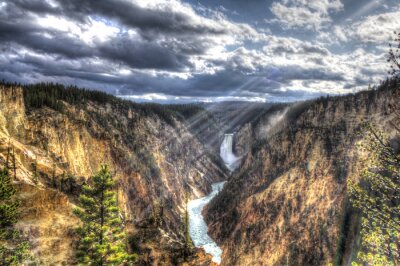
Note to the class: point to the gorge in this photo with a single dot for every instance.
(277, 194)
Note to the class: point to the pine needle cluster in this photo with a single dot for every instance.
(13, 248)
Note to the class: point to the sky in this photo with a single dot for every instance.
(193, 50)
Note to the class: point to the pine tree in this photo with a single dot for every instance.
(13, 249)
(394, 56)
(377, 195)
(102, 238)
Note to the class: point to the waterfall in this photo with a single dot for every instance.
(231, 160)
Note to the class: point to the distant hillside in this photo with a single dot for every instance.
(233, 115)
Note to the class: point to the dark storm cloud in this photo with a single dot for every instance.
(36, 6)
(285, 74)
(163, 19)
(172, 55)
(271, 81)
(137, 54)
(143, 54)
(34, 37)
(159, 20)
(17, 26)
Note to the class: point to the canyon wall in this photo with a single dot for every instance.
(157, 162)
(287, 203)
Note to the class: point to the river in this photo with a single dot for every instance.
(198, 229)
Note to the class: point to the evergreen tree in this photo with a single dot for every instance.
(377, 195)
(394, 56)
(13, 249)
(102, 238)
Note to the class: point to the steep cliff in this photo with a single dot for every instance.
(287, 203)
(60, 137)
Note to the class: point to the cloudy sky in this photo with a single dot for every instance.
(208, 50)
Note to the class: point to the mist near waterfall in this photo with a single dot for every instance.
(273, 122)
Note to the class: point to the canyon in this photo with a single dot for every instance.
(285, 166)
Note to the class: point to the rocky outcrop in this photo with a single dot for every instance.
(156, 161)
(48, 222)
(287, 204)
(12, 110)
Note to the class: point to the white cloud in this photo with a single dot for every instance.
(92, 31)
(377, 28)
(297, 65)
(97, 30)
(59, 24)
(340, 33)
(310, 14)
(373, 29)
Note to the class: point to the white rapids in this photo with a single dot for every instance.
(197, 226)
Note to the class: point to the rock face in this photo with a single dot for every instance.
(287, 204)
(157, 161)
(243, 140)
(49, 223)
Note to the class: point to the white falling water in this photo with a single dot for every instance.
(231, 160)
